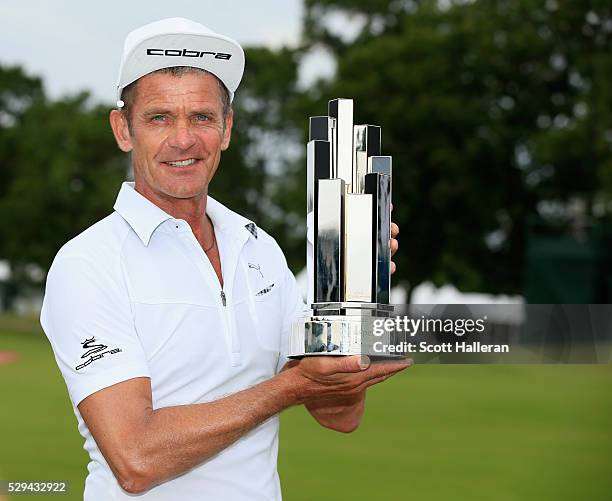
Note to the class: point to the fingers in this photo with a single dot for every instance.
(328, 376)
(371, 382)
(387, 368)
(393, 368)
(394, 244)
(381, 371)
(327, 366)
(354, 363)
(359, 363)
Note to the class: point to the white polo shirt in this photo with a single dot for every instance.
(135, 295)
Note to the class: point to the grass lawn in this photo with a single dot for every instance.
(432, 433)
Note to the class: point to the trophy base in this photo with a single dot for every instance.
(340, 329)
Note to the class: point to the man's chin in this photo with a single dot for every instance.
(173, 193)
(185, 193)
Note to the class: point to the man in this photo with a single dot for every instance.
(169, 318)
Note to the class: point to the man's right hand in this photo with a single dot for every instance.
(326, 377)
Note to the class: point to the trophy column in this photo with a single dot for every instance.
(349, 228)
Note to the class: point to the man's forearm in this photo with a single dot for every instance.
(145, 447)
(175, 439)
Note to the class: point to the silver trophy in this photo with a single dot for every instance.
(349, 228)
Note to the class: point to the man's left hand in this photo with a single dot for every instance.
(394, 244)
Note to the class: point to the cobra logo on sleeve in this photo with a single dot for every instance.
(94, 352)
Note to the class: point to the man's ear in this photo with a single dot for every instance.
(121, 131)
(227, 134)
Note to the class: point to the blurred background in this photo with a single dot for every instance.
(498, 115)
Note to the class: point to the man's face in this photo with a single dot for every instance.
(177, 134)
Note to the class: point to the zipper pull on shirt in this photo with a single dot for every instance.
(223, 298)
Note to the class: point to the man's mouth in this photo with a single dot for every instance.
(181, 163)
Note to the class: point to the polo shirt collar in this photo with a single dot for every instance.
(140, 213)
(226, 219)
(145, 217)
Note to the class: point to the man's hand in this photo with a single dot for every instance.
(329, 376)
(333, 388)
(394, 244)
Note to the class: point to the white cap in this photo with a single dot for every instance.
(178, 41)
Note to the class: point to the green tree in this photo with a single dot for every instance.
(65, 173)
(18, 92)
(489, 108)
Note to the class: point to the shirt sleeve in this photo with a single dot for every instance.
(293, 309)
(87, 317)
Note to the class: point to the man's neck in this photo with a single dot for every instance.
(192, 210)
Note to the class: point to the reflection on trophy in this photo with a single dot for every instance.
(349, 228)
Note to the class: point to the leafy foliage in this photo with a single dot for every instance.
(496, 113)
(489, 109)
(63, 173)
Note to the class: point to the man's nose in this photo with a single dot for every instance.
(181, 137)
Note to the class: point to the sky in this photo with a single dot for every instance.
(76, 45)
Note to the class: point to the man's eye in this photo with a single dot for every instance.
(158, 118)
(200, 117)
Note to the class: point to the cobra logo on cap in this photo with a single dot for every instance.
(186, 53)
